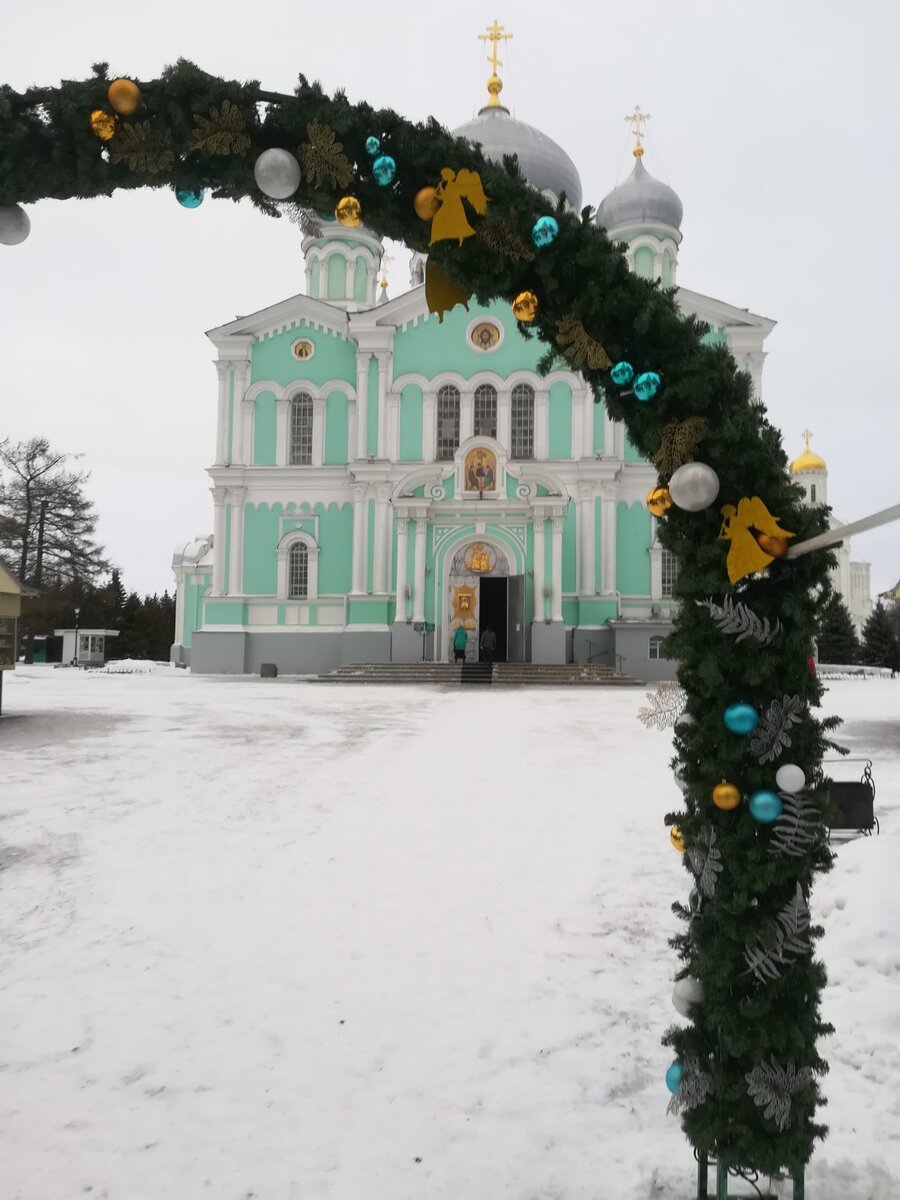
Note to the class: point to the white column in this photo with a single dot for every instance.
(382, 518)
(318, 431)
(393, 426)
(178, 639)
(556, 569)
(504, 433)
(282, 414)
(586, 542)
(349, 278)
(618, 442)
(222, 370)
(608, 544)
(241, 383)
(540, 607)
(419, 588)
(359, 540)
(587, 424)
(384, 363)
(236, 564)
(541, 406)
(402, 536)
(362, 403)
(218, 583)
(429, 426)
(466, 416)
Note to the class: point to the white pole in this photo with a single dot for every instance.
(834, 536)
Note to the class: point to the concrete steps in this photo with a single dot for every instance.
(480, 674)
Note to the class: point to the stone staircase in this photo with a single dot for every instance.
(502, 674)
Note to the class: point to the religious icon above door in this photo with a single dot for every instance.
(480, 471)
(464, 601)
(480, 558)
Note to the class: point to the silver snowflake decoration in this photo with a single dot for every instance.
(798, 829)
(667, 704)
(706, 861)
(764, 958)
(696, 1084)
(772, 736)
(772, 1087)
(736, 618)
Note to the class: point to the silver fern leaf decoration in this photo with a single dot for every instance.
(667, 704)
(798, 829)
(736, 618)
(705, 859)
(765, 958)
(696, 1084)
(772, 736)
(773, 1087)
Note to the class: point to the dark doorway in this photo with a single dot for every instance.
(493, 613)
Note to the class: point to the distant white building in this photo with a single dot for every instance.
(850, 579)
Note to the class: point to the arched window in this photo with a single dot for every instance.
(812, 493)
(447, 422)
(485, 411)
(298, 570)
(669, 565)
(654, 650)
(522, 421)
(301, 429)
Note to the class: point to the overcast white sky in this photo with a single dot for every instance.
(777, 123)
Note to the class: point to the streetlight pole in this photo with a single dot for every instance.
(77, 615)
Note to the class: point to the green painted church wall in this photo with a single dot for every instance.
(596, 612)
(264, 430)
(224, 612)
(337, 429)
(193, 604)
(360, 280)
(643, 262)
(631, 454)
(372, 409)
(337, 277)
(429, 347)
(412, 409)
(335, 549)
(632, 549)
(261, 533)
(559, 418)
(334, 358)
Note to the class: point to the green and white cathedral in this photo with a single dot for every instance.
(381, 476)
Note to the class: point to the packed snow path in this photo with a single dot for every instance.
(285, 941)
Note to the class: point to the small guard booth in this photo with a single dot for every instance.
(85, 647)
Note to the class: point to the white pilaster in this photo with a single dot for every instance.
(541, 411)
(608, 544)
(393, 426)
(586, 541)
(359, 540)
(350, 278)
(429, 426)
(318, 431)
(282, 416)
(223, 370)
(588, 413)
(402, 541)
(382, 541)
(466, 416)
(241, 383)
(218, 581)
(504, 431)
(419, 588)
(384, 363)
(540, 605)
(236, 498)
(362, 403)
(556, 579)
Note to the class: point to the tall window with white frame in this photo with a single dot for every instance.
(522, 421)
(301, 430)
(485, 411)
(298, 571)
(447, 422)
(669, 573)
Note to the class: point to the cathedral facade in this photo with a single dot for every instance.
(382, 476)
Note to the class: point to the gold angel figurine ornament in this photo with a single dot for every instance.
(450, 222)
(746, 555)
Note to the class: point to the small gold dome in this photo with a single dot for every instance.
(808, 460)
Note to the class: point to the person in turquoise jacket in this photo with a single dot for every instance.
(460, 640)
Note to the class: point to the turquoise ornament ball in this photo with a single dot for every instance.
(646, 386)
(544, 231)
(189, 198)
(673, 1077)
(384, 169)
(372, 146)
(622, 374)
(741, 718)
(765, 806)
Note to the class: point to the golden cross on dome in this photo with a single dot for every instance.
(494, 35)
(806, 435)
(637, 120)
(386, 259)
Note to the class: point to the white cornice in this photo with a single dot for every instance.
(717, 312)
(281, 316)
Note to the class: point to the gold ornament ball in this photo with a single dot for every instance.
(103, 125)
(525, 306)
(349, 212)
(125, 96)
(726, 796)
(676, 838)
(659, 501)
(776, 546)
(426, 203)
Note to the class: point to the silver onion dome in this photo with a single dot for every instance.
(545, 165)
(640, 200)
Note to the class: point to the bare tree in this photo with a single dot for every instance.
(47, 524)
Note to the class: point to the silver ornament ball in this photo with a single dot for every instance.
(277, 173)
(15, 225)
(694, 486)
(789, 778)
(688, 991)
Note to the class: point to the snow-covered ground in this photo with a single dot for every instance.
(287, 941)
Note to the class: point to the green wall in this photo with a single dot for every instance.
(430, 347)
(337, 428)
(559, 417)
(261, 526)
(412, 418)
(360, 274)
(335, 549)
(262, 530)
(193, 604)
(337, 277)
(334, 358)
(633, 549)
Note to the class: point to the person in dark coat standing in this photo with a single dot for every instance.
(488, 644)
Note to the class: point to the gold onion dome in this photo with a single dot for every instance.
(808, 460)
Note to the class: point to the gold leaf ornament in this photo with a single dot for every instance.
(677, 444)
(503, 239)
(222, 132)
(745, 555)
(323, 157)
(450, 223)
(579, 347)
(441, 294)
(141, 148)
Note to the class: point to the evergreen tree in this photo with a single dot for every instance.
(838, 639)
(880, 647)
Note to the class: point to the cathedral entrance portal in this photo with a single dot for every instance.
(482, 593)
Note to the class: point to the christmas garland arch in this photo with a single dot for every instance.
(749, 749)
